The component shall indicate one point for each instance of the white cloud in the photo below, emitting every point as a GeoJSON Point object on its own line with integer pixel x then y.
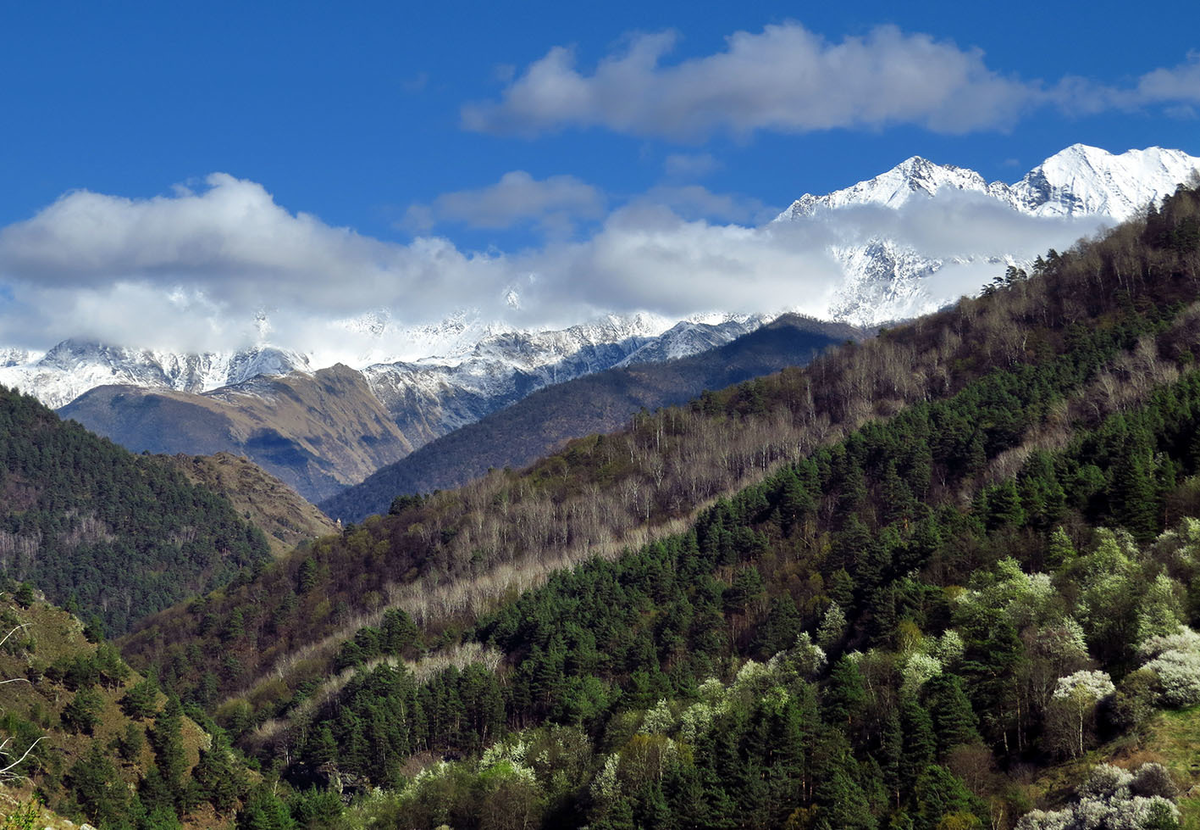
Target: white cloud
{"type": "Point", "coordinates": [785, 78]}
{"type": "Point", "coordinates": [94, 262]}
{"type": "Point", "coordinates": [1179, 85]}
{"type": "Point", "coordinates": [191, 270]}
{"type": "Point", "coordinates": [518, 198]}
{"type": "Point", "coordinates": [791, 80]}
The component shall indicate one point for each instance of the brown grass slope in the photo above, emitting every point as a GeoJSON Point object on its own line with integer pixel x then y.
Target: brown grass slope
{"type": "Point", "coordinates": [318, 433]}
{"type": "Point", "coordinates": [602, 402]}
{"type": "Point", "coordinates": [265, 501]}
{"type": "Point", "coordinates": [33, 706]}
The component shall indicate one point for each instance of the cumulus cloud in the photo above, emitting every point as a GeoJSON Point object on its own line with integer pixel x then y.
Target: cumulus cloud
{"type": "Point", "coordinates": [791, 80]}
{"type": "Point", "coordinates": [518, 198]}
{"type": "Point", "coordinates": [1177, 85]}
{"type": "Point", "coordinates": [193, 269]}
{"type": "Point", "coordinates": [785, 78]}
{"type": "Point", "coordinates": [90, 260]}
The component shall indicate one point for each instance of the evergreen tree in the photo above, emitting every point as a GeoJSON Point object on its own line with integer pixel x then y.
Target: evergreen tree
{"type": "Point", "coordinates": [166, 738]}
{"type": "Point", "coordinates": [954, 720]}
{"type": "Point", "coordinates": [98, 788]}
{"type": "Point", "coordinates": [82, 714]}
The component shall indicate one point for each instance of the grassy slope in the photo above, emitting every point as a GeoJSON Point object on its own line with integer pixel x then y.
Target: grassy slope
{"type": "Point", "coordinates": [1172, 738]}
{"type": "Point", "coordinates": [59, 635]}
{"type": "Point", "coordinates": [282, 513]}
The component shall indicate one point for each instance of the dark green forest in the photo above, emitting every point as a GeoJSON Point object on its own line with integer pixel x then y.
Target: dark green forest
{"type": "Point", "coordinates": [104, 532]}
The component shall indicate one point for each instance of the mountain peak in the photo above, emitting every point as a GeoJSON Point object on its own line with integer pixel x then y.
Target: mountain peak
{"type": "Point", "coordinates": [913, 176]}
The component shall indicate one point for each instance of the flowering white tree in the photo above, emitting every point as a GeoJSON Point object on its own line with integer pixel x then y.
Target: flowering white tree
{"type": "Point", "coordinates": [1073, 708]}
{"type": "Point", "coordinates": [1109, 800]}
{"type": "Point", "coordinates": [832, 627]}
{"type": "Point", "coordinates": [1175, 661]}
{"type": "Point", "coordinates": [918, 669]}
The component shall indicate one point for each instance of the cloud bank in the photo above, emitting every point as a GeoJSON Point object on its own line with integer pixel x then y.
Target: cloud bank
{"type": "Point", "coordinates": [553, 203]}
{"type": "Point", "coordinates": [192, 270]}
{"type": "Point", "coordinates": [791, 80]}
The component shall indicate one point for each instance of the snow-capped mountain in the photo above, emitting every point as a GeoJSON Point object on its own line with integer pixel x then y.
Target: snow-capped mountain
{"type": "Point", "coordinates": [1079, 180]}
{"type": "Point", "coordinates": [887, 278]}
{"type": "Point", "coordinates": [430, 397]}
{"type": "Point", "coordinates": [73, 367]}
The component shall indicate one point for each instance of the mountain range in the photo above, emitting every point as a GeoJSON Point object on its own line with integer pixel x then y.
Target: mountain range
{"type": "Point", "coordinates": [277, 405]}
{"type": "Point", "coordinates": [600, 402]}
{"type": "Point", "coordinates": [928, 581]}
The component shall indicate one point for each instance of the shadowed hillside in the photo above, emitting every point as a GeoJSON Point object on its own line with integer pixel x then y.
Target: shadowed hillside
{"type": "Point", "coordinates": [601, 402]}
{"type": "Point", "coordinates": [119, 535]}
{"type": "Point", "coordinates": [270, 505]}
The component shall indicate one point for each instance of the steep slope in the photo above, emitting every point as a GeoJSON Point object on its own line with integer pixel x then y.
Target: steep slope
{"type": "Point", "coordinates": [600, 402]}
{"type": "Point", "coordinates": [265, 501]}
{"type": "Point", "coordinates": [446, 558]}
{"type": "Point", "coordinates": [120, 535]}
{"type": "Point", "coordinates": [95, 730]}
{"type": "Point", "coordinates": [316, 432]}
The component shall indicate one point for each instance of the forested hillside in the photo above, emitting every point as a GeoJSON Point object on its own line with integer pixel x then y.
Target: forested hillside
{"type": "Point", "coordinates": [108, 533]}
{"type": "Point", "coordinates": [957, 558]}
{"type": "Point", "coordinates": [602, 402]}
{"type": "Point", "coordinates": [94, 741]}
{"type": "Point", "coordinates": [284, 517]}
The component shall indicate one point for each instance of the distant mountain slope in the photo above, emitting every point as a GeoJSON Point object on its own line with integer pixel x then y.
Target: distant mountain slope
{"type": "Point", "coordinates": [121, 535]}
{"type": "Point", "coordinates": [318, 432]}
{"type": "Point", "coordinates": [278, 510]}
{"type": "Point", "coordinates": [599, 402]}
{"type": "Point", "coordinates": [322, 431]}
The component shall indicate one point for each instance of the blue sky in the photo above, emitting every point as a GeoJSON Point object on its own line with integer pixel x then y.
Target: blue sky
{"type": "Point", "coordinates": [372, 116]}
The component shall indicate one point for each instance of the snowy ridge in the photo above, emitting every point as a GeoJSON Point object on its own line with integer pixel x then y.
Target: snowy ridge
{"type": "Point", "coordinates": [451, 392]}
{"type": "Point", "coordinates": [886, 279]}
{"type": "Point", "coordinates": [1090, 181]}
{"type": "Point", "coordinates": [73, 367]}
{"type": "Point", "coordinates": [1079, 180]}
{"type": "Point", "coordinates": [911, 178]}
{"type": "Point", "coordinates": [482, 363]}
